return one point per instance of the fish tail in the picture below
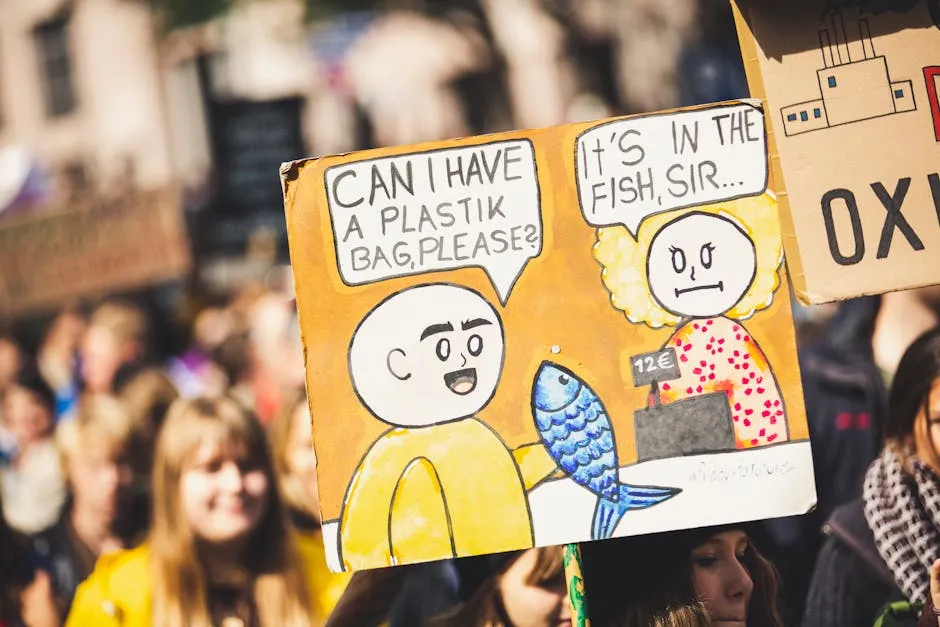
(609, 513)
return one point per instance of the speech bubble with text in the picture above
(473, 206)
(628, 170)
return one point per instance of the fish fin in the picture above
(608, 513)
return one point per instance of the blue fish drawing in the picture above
(574, 426)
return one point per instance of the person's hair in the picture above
(293, 489)
(370, 596)
(30, 379)
(126, 322)
(99, 419)
(647, 581)
(910, 389)
(486, 606)
(148, 396)
(271, 558)
(623, 258)
(233, 355)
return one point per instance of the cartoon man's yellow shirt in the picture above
(441, 491)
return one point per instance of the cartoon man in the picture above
(440, 482)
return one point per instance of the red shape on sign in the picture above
(932, 77)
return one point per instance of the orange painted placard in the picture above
(547, 336)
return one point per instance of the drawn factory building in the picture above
(852, 88)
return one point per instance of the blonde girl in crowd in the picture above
(221, 551)
(296, 463)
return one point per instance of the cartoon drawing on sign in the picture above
(932, 78)
(426, 360)
(704, 271)
(851, 89)
(574, 425)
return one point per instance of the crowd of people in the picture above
(181, 491)
(138, 491)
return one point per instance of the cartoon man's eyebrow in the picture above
(436, 328)
(472, 324)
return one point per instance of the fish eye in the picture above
(563, 379)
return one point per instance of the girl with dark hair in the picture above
(695, 578)
(527, 591)
(32, 482)
(516, 589)
(881, 548)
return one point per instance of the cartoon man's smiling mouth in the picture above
(717, 286)
(461, 382)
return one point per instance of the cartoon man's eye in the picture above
(706, 255)
(475, 345)
(563, 379)
(443, 349)
(678, 259)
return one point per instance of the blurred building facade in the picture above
(80, 91)
(103, 96)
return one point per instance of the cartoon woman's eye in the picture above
(563, 379)
(706, 255)
(443, 349)
(678, 260)
(475, 345)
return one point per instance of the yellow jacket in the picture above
(441, 491)
(118, 591)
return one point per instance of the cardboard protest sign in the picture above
(49, 259)
(547, 336)
(851, 90)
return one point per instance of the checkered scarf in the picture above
(903, 512)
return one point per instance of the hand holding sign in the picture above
(476, 206)
(626, 172)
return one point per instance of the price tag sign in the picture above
(656, 366)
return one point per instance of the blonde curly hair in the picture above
(623, 259)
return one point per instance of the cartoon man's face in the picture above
(427, 355)
(700, 265)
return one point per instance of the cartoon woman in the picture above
(705, 271)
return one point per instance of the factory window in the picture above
(817, 113)
(832, 81)
(898, 93)
(55, 64)
(803, 116)
(791, 117)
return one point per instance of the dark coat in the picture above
(851, 584)
(846, 403)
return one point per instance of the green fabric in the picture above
(576, 594)
(900, 614)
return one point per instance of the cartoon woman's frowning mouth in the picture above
(720, 286)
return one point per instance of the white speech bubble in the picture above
(474, 206)
(628, 170)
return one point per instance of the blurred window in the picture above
(52, 44)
